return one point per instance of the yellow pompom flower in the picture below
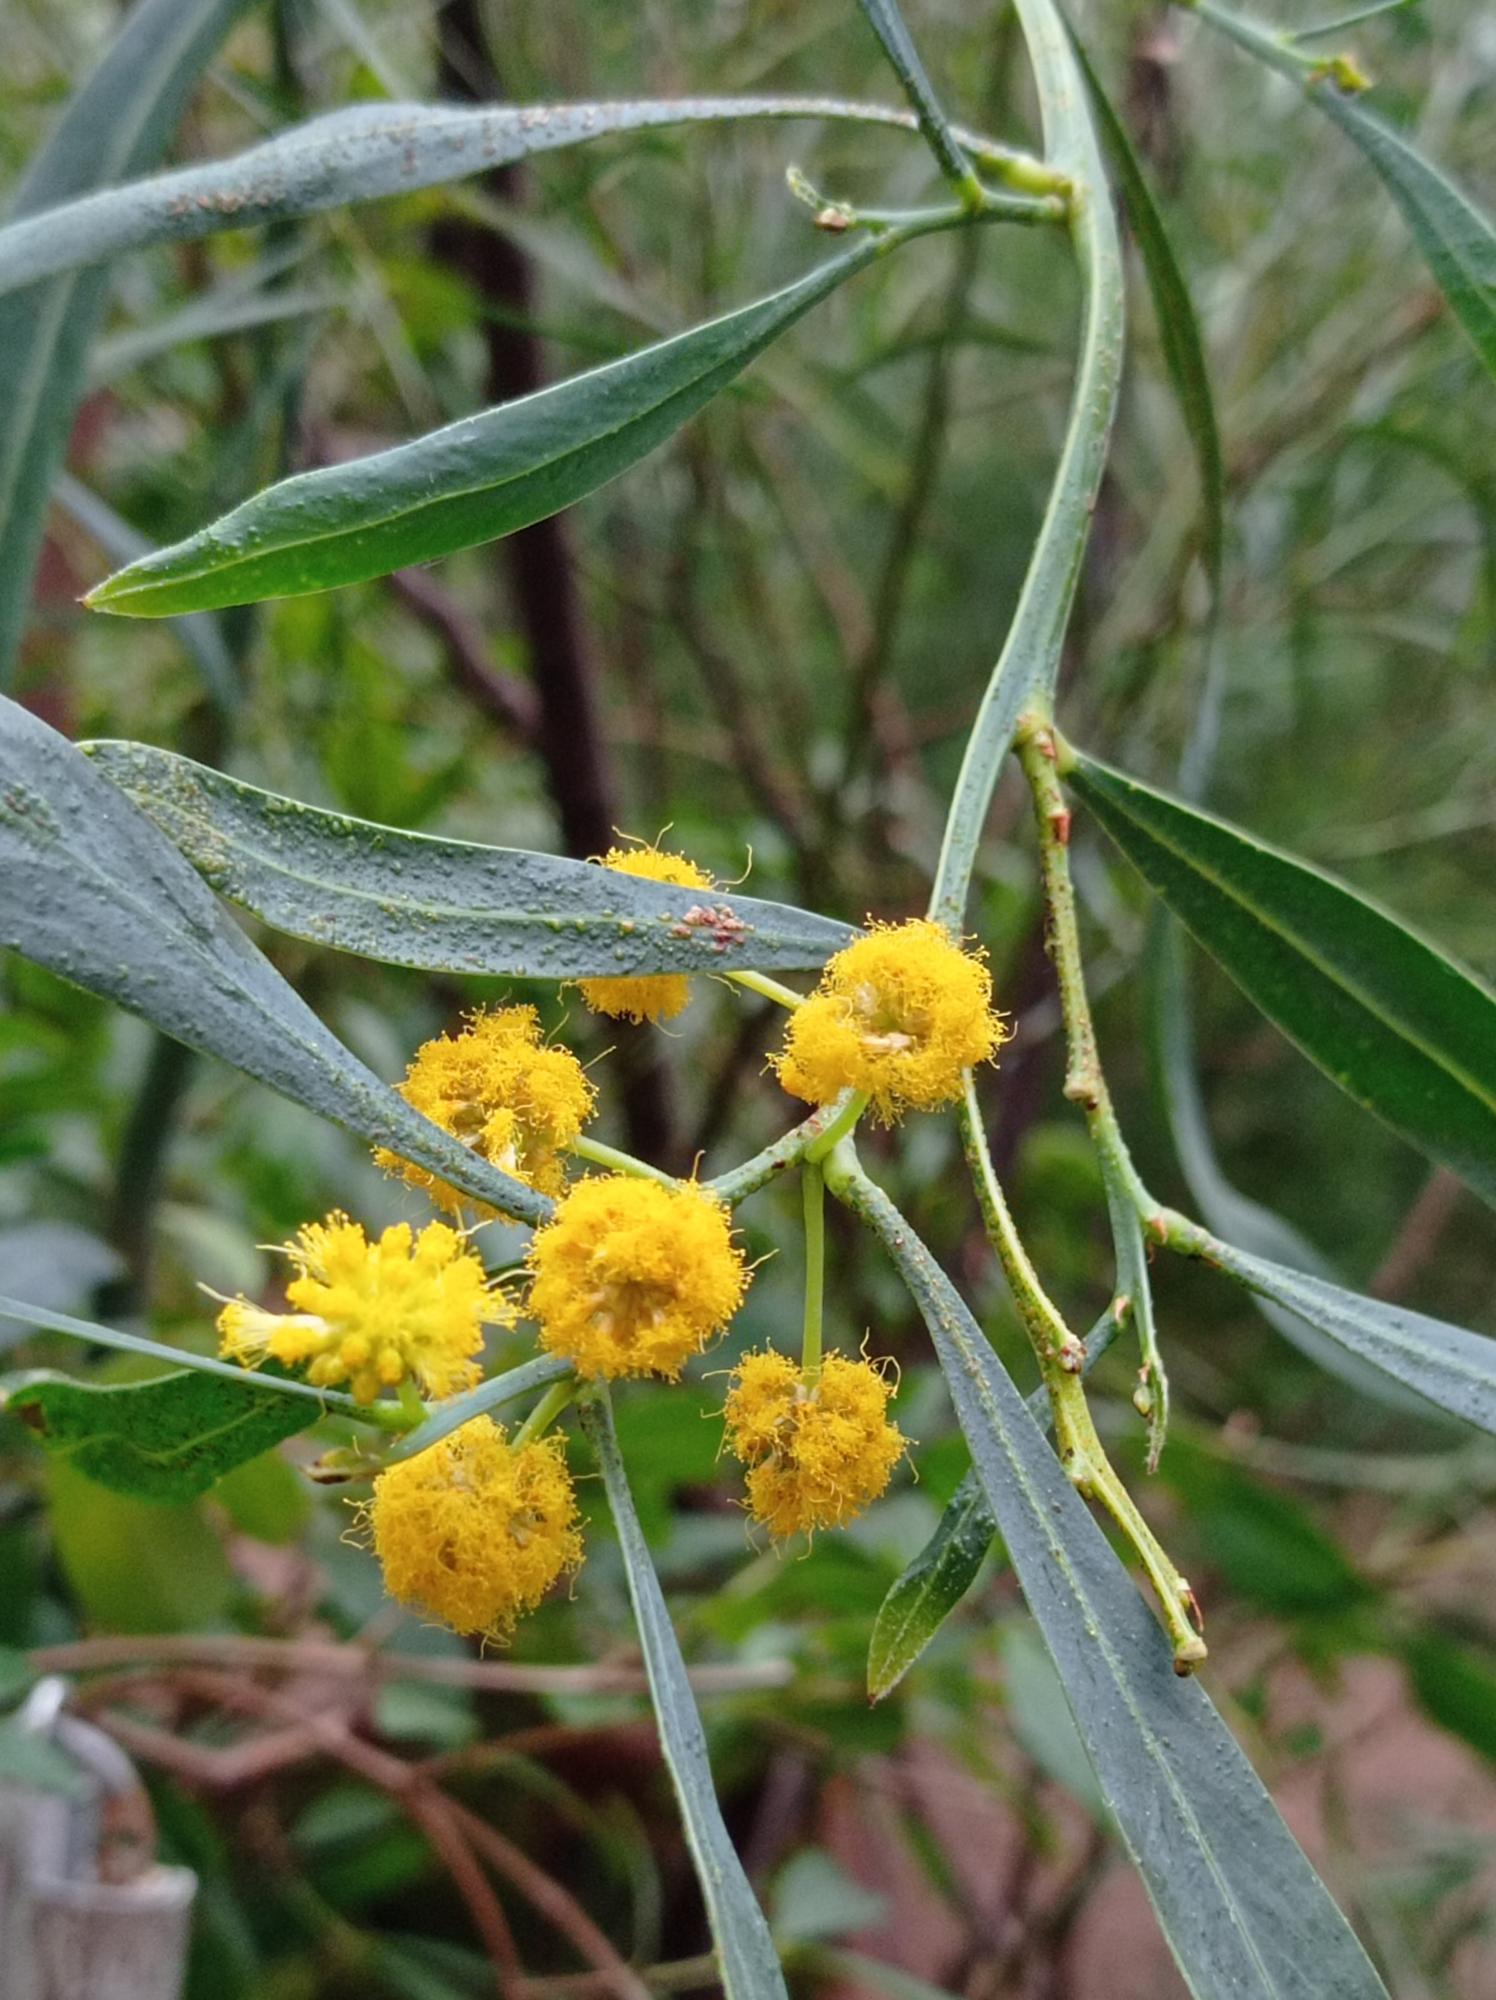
(661, 996)
(373, 1315)
(633, 1278)
(475, 1530)
(899, 1014)
(500, 1089)
(815, 1456)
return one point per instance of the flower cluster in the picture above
(660, 996)
(496, 1086)
(898, 1015)
(406, 1307)
(475, 1530)
(633, 1278)
(816, 1454)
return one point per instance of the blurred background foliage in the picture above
(770, 638)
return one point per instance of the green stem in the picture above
(546, 1411)
(842, 1126)
(1029, 661)
(768, 989)
(813, 1186)
(898, 45)
(1127, 1200)
(618, 1161)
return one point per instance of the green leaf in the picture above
(135, 1565)
(118, 123)
(1455, 1686)
(1230, 1213)
(22, 1312)
(1401, 1028)
(1454, 1369)
(745, 1951)
(888, 25)
(1174, 313)
(1242, 1909)
(469, 482)
(365, 153)
(92, 890)
(166, 1439)
(1457, 241)
(930, 1588)
(449, 905)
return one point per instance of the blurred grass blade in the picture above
(929, 1590)
(1243, 1911)
(469, 482)
(118, 123)
(1457, 242)
(21, 1312)
(1029, 661)
(168, 1439)
(745, 1951)
(889, 26)
(1402, 1029)
(1174, 314)
(93, 891)
(368, 152)
(1227, 1211)
(1454, 1369)
(450, 905)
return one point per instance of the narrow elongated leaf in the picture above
(118, 123)
(472, 481)
(1242, 1909)
(365, 153)
(929, 1590)
(26, 1313)
(1174, 313)
(1401, 1028)
(745, 1952)
(889, 26)
(168, 1439)
(1457, 242)
(95, 892)
(1230, 1213)
(1453, 1368)
(449, 905)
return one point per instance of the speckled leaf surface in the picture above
(91, 889)
(167, 1439)
(448, 905)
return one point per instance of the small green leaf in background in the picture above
(1403, 1029)
(1457, 241)
(930, 1588)
(1455, 1686)
(449, 905)
(167, 1439)
(134, 1565)
(470, 482)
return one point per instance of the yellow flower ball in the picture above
(500, 1089)
(373, 1314)
(475, 1531)
(661, 996)
(815, 1456)
(633, 1278)
(899, 1014)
